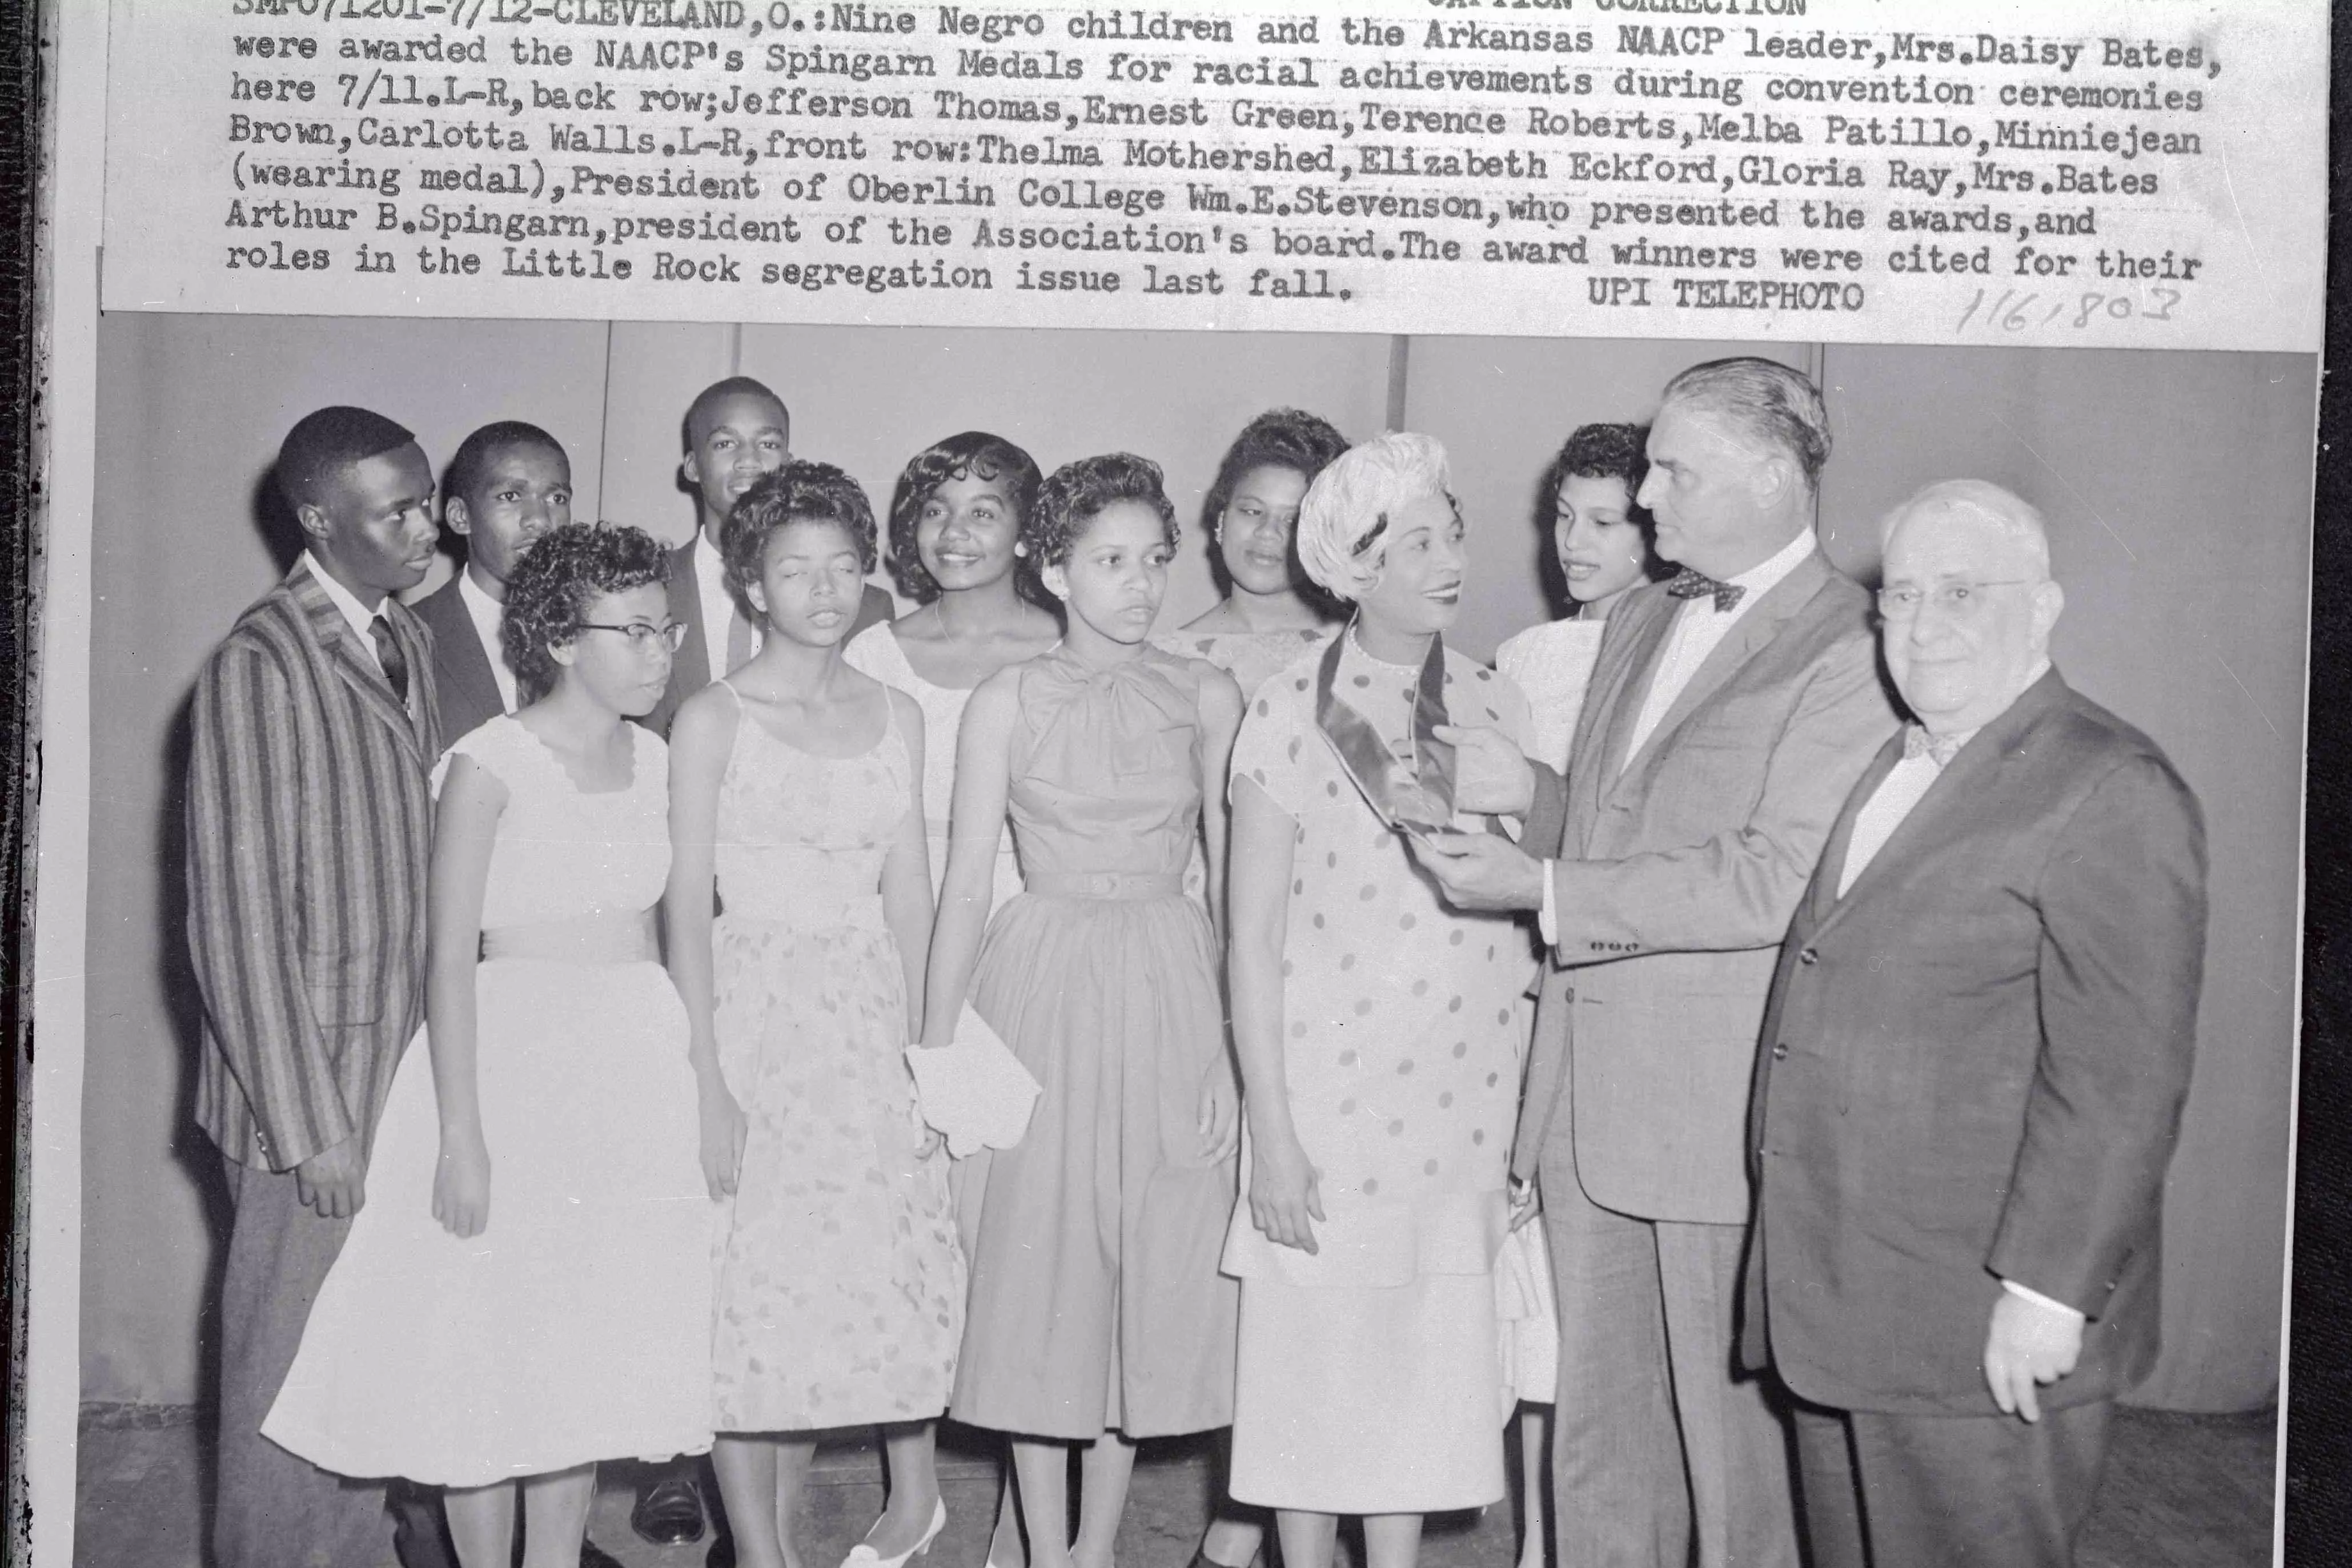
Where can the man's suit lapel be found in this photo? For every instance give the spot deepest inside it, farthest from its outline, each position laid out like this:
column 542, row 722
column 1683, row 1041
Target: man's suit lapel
column 690, row 672
column 357, row 669
column 467, row 660
column 1611, row 713
column 1754, row 631
column 1965, row 785
column 1822, row 895
column 416, row 641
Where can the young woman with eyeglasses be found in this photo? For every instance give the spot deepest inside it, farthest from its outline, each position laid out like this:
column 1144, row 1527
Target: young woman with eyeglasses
column 528, row 1291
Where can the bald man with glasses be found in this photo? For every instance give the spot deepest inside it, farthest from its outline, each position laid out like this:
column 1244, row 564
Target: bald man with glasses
column 1978, row 1044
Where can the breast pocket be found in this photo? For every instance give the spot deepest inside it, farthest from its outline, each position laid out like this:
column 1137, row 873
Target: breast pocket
column 345, row 990
column 344, row 1007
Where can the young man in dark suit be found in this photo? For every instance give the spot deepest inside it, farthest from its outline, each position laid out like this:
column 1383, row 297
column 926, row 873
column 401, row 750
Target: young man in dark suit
column 309, row 816
column 737, row 432
column 508, row 483
column 1980, row 1039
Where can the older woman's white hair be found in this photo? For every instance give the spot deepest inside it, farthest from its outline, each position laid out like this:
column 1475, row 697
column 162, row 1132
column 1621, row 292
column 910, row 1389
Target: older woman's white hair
column 1343, row 521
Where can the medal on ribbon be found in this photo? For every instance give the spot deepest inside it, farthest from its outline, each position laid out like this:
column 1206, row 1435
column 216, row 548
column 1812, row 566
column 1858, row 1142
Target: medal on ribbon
column 1408, row 797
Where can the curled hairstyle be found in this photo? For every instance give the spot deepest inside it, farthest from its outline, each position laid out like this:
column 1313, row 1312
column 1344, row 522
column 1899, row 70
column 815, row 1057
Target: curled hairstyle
column 1076, row 493
column 1343, row 523
column 1767, row 399
column 1279, row 438
column 1617, row 451
column 972, row 454
column 799, row 492
column 565, row 572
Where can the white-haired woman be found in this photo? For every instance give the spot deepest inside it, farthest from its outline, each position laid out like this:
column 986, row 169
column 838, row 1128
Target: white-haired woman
column 1376, row 1032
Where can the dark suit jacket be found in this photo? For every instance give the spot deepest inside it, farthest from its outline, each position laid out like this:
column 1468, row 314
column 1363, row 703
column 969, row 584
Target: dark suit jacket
column 1977, row 1058
column 309, row 821
column 464, row 682
column 1680, row 870
column 691, row 669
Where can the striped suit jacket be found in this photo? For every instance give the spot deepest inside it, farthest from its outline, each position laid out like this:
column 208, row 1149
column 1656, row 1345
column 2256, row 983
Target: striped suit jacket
column 310, row 821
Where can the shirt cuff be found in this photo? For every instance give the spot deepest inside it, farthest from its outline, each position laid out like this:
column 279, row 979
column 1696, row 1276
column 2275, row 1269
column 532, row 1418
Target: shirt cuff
column 1547, row 914
column 2039, row 1299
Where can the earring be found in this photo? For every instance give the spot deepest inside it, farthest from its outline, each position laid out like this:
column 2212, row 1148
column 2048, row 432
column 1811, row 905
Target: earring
column 1020, row 550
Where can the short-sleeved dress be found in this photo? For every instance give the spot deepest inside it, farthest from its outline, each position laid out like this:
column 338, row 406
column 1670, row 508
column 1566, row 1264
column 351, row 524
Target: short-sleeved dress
column 1249, row 657
column 876, row 652
column 1367, row 1377
column 1096, row 1300
column 576, row 1326
column 838, row 1283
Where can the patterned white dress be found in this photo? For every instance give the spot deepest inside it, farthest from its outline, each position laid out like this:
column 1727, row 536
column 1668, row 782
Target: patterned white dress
column 838, row 1280
column 1367, row 1374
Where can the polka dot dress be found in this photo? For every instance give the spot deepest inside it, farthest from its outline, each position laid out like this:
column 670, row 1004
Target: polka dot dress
column 1402, row 1027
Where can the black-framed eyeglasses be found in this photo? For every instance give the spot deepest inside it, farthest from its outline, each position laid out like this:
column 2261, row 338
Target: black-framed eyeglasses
column 643, row 634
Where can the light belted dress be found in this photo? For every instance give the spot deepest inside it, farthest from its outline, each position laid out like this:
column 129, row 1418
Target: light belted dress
column 1096, row 1301
column 576, row 1326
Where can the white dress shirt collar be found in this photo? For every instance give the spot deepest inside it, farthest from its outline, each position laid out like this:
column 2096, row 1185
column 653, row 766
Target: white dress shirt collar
column 359, row 615
column 488, row 616
column 1767, row 574
column 1960, row 737
column 717, row 604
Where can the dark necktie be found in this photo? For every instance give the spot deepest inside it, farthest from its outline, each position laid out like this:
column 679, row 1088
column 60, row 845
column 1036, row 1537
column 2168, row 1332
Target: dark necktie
column 1918, row 743
column 388, row 654
column 1689, row 584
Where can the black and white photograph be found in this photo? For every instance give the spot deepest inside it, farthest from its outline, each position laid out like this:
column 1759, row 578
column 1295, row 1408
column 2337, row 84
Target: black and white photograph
column 1375, row 784
column 1642, row 951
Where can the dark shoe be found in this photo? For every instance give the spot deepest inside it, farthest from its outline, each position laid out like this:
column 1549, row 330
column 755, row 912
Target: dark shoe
column 669, row 1512
column 417, row 1536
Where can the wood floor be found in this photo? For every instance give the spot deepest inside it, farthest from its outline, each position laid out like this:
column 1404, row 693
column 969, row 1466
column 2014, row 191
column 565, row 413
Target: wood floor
column 2181, row 1493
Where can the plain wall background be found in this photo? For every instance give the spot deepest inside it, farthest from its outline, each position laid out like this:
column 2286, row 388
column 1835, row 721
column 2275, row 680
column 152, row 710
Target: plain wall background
column 2187, row 589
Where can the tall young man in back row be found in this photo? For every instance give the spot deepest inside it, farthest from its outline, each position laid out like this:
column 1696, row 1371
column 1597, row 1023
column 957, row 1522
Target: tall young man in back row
column 737, row 433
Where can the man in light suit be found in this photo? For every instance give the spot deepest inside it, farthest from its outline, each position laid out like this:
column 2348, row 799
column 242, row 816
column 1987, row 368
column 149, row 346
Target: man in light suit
column 508, row 484
column 1980, row 1039
column 308, row 815
column 1729, row 712
column 737, row 432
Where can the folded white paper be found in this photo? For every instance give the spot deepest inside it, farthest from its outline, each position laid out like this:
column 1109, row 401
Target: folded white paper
column 974, row 1092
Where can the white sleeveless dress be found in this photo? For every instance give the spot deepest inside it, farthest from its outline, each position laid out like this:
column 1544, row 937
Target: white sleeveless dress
column 876, row 651
column 577, row 1326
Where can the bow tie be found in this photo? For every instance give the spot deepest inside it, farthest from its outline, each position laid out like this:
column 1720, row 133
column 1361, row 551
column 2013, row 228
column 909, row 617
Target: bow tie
column 1941, row 749
column 1690, row 584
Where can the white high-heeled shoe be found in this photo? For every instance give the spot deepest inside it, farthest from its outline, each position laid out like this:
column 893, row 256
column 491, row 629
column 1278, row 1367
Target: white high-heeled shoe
column 864, row 1556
